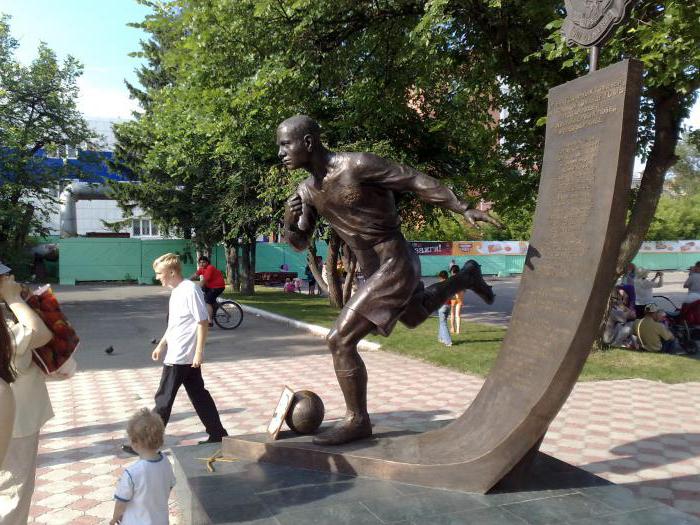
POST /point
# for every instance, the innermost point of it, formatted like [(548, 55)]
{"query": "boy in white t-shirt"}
[(141, 497), (188, 326)]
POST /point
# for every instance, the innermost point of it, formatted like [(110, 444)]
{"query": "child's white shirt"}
[(145, 486)]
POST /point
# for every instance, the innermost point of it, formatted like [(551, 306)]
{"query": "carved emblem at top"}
[(590, 22)]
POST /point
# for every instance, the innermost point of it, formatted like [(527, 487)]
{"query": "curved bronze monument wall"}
[(578, 228)]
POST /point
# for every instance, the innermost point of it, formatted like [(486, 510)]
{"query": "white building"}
[(90, 213)]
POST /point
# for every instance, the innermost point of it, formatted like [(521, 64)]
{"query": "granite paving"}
[(641, 435)]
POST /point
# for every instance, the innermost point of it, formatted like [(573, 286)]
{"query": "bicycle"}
[(227, 314)]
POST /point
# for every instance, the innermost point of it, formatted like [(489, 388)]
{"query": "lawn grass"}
[(475, 349)]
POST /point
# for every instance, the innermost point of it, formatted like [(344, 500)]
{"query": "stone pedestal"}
[(252, 493)]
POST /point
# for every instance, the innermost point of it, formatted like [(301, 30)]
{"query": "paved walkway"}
[(639, 434)]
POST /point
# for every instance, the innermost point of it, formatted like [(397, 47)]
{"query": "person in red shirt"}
[(213, 283)]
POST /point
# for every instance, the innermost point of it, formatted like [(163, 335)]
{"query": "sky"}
[(95, 32)]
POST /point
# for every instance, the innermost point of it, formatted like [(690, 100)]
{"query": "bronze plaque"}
[(590, 22), (275, 424), (570, 268)]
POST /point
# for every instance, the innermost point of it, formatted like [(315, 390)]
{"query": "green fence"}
[(115, 259), (666, 261), (82, 259), (270, 256), (490, 264)]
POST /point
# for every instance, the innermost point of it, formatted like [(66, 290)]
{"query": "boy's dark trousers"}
[(175, 375)]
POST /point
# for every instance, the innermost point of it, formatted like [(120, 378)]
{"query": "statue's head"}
[(298, 138)]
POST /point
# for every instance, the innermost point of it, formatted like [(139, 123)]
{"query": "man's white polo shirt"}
[(186, 309)]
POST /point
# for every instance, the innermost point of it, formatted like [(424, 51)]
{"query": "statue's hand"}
[(476, 216), (298, 216), (294, 209)]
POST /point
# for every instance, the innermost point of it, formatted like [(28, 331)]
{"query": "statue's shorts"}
[(392, 271)]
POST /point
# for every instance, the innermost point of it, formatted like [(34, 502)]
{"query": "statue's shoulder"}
[(304, 186), (362, 161), (306, 182)]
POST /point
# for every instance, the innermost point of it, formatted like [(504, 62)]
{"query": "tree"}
[(685, 174), (37, 112), (448, 227), (677, 214), (193, 175), (162, 149), (154, 190), (676, 218), (512, 38), (247, 65), (413, 81), (666, 38)]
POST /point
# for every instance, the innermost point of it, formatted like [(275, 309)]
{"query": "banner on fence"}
[(670, 247), (489, 248), (465, 248), (432, 248)]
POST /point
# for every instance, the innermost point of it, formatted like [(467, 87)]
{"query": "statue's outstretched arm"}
[(406, 179)]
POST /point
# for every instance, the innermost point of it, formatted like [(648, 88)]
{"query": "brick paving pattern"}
[(640, 434)]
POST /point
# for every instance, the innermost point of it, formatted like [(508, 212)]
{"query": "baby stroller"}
[(684, 322)]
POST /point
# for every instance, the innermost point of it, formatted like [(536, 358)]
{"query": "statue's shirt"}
[(357, 197)]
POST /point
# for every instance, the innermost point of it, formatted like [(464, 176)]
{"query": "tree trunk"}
[(233, 274), (335, 292), (315, 269), (253, 258), (23, 227), (667, 125), (247, 284), (200, 250), (248, 266), (667, 120)]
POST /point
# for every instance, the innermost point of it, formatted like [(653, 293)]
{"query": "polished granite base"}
[(244, 492)]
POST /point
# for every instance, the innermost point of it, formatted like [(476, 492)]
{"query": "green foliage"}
[(378, 77), (37, 110), (194, 173), (447, 226), (665, 36), (677, 214), (676, 218), (685, 175), (19, 259), (414, 81)]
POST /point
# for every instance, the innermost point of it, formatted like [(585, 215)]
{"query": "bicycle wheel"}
[(229, 315)]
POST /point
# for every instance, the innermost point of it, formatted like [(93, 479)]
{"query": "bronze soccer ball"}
[(305, 413)]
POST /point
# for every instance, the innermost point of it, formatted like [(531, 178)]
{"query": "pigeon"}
[(109, 350)]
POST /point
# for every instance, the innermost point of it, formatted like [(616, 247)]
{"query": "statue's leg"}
[(350, 370), (426, 300)]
